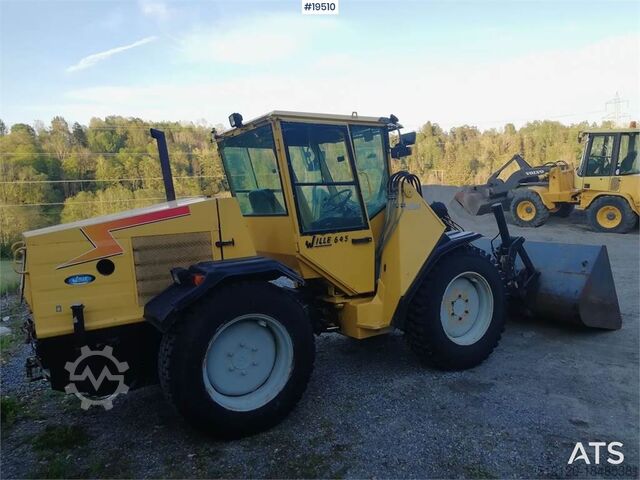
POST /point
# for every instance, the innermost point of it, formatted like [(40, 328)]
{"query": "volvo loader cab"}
[(219, 299), (608, 179)]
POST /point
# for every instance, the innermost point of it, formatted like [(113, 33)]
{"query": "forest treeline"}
[(59, 172)]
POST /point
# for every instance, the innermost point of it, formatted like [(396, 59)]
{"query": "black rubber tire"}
[(424, 331), (184, 347), (542, 212), (629, 217), (564, 210)]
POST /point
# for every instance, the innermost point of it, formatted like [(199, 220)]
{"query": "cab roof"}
[(307, 116), (610, 130)]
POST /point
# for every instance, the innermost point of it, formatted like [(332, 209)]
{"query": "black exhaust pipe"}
[(163, 152)]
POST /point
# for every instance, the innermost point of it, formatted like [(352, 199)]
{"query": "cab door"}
[(334, 236), (598, 162), (626, 176)]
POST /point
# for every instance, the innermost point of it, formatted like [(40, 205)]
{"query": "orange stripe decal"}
[(104, 245)]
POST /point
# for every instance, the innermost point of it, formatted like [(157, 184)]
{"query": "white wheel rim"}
[(248, 362), (467, 308)]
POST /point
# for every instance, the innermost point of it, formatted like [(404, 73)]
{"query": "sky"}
[(482, 63)]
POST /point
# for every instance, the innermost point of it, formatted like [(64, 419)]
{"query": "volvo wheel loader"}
[(606, 184), (219, 299)]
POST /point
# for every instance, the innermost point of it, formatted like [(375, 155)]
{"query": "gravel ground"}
[(372, 411)]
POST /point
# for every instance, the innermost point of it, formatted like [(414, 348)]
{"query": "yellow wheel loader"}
[(219, 299), (606, 184)]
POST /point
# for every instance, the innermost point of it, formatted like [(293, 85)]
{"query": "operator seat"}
[(626, 165), (264, 202)]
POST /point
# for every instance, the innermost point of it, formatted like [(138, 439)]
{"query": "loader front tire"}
[(457, 315), (611, 214), (527, 209), (238, 362)]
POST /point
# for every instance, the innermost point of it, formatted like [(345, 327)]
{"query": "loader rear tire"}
[(238, 362), (527, 209), (457, 315), (611, 214)]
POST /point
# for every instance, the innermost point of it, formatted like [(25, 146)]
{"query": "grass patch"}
[(55, 467), (57, 438), (10, 409), (109, 465), (9, 342), (55, 447), (9, 280), (116, 465), (64, 452), (10, 306)]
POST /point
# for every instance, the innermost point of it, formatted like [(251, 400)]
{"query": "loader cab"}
[(609, 160), (312, 189)]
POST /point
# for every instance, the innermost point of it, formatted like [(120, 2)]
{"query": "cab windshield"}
[(252, 170)]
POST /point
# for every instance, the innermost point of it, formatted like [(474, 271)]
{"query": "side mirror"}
[(408, 138), (400, 150)]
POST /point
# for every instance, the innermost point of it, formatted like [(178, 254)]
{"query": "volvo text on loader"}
[(606, 184), (219, 299)]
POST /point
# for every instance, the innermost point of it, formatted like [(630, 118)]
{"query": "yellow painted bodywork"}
[(112, 300), (145, 244), (627, 187), (413, 240), (566, 186)]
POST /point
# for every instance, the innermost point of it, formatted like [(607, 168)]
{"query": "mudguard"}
[(161, 310), (448, 242)]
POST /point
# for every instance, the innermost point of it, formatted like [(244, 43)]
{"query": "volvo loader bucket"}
[(557, 281), (476, 200)]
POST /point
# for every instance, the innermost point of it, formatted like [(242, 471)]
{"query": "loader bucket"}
[(575, 284), (476, 200)]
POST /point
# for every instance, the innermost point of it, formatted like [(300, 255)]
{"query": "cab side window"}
[(599, 156), (250, 162), (628, 156), (371, 164)]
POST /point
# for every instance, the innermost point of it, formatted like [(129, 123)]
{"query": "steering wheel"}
[(335, 202), (597, 164)]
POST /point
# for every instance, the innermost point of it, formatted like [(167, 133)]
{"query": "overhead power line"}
[(89, 201), (109, 180), (68, 154), (104, 154)]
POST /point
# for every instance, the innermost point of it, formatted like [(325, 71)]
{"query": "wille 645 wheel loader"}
[(606, 184), (219, 299)]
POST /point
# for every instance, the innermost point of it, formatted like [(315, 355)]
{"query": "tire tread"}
[(417, 334), (629, 217), (542, 212)]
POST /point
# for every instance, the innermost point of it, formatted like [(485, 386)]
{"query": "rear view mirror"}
[(400, 150), (408, 138)]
